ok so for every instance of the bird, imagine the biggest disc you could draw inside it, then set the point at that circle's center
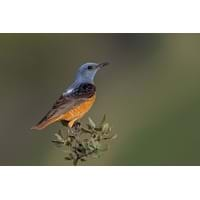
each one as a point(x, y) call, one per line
point(76, 100)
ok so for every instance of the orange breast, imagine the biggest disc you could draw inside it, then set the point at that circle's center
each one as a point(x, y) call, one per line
point(78, 111)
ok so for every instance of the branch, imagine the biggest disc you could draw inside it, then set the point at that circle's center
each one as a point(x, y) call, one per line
point(84, 141)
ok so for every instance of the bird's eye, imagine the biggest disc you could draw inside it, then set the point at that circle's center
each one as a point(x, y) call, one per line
point(90, 67)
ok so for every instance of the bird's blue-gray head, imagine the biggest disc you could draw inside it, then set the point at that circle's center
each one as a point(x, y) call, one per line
point(87, 71)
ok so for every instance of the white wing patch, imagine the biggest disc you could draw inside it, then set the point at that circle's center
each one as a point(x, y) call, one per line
point(68, 91)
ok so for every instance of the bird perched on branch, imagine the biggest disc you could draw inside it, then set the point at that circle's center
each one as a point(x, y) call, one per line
point(76, 101)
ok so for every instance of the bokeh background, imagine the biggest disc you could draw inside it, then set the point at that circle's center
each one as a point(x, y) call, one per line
point(150, 93)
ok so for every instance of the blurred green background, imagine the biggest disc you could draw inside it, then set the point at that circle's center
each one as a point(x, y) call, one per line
point(150, 93)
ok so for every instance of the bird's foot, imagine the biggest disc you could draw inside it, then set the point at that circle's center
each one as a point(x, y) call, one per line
point(77, 126)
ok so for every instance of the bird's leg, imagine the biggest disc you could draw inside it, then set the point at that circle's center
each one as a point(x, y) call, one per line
point(77, 126)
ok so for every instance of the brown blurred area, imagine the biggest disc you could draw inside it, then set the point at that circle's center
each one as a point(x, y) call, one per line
point(150, 94)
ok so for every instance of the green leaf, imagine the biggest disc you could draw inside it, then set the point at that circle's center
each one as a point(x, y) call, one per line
point(83, 159)
point(114, 137)
point(57, 142)
point(110, 137)
point(102, 121)
point(103, 148)
point(91, 123)
point(86, 130)
point(98, 129)
point(59, 136)
point(68, 158)
point(105, 128)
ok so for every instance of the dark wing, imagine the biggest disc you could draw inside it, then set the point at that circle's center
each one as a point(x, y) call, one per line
point(83, 91)
point(66, 102)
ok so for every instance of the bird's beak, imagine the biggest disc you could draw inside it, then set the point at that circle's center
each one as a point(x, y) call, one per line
point(101, 65)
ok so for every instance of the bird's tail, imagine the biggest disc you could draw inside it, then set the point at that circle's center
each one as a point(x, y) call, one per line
point(43, 123)
point(39, 126)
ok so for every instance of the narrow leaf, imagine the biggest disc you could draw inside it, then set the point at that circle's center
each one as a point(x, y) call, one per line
point(105, 128)
point(102, 121)
point(91, 123)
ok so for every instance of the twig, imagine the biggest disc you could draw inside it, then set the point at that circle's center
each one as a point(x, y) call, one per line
point(83, 141)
